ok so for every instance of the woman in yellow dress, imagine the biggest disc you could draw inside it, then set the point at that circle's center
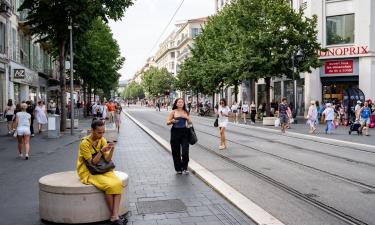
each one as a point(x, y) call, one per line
point(108, 182)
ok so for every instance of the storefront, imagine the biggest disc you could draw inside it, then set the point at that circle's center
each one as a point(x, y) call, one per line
point(24, 83)
point(338, 76)
point(3, 81)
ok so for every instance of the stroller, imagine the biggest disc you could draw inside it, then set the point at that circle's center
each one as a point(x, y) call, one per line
point(354, 126)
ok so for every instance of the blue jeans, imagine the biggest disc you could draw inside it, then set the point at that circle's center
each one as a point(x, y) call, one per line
point(329, 126)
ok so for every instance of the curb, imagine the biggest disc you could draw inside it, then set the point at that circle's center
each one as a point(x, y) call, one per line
point(245, 205)
point(323, 140)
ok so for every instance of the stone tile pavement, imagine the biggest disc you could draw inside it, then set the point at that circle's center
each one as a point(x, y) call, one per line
point(153, 179)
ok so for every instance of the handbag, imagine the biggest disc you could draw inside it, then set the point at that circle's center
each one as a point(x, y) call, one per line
point(102, 166)
point(216, 123)
point(192, 136)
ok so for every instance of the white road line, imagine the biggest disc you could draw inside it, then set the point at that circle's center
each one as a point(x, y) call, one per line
point(248, 207)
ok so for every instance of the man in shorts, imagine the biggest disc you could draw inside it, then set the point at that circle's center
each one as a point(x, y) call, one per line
point(365, 117)
point(283, 114)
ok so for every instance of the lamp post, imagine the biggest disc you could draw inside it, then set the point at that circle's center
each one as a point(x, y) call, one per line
point(297, 56)
point(70, 27)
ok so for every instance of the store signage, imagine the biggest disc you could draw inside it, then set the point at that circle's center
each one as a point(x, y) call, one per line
point(338, 67)
point(345, 51)
point(19, 74)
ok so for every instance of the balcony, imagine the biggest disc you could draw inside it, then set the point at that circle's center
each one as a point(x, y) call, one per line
point(6, 7)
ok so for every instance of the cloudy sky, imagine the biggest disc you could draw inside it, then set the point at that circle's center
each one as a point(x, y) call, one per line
point(145, 21)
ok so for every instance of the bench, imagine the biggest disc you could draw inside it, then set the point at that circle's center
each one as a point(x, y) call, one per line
point(64, 199)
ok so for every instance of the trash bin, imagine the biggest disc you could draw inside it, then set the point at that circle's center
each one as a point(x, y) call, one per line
point(53, 126)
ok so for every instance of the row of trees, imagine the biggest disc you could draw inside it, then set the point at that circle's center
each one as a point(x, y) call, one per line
point(98, 57)
point(249, 40)
point(134, 91)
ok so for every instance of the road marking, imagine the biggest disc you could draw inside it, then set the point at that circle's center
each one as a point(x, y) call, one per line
point(248, 207)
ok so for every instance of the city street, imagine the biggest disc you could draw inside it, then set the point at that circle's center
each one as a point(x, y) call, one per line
point(296, 179)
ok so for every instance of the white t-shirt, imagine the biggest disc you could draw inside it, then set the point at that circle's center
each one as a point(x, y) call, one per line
point(10, 110)
point(23, 119)
point(234, 107)
point(245, 108)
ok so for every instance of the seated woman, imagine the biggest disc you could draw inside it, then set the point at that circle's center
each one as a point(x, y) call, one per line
point(108, 182)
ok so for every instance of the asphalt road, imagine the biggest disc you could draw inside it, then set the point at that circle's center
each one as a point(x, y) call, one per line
point(330, 175)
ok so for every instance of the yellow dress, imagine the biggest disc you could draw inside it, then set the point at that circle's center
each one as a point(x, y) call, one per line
point(107, 182)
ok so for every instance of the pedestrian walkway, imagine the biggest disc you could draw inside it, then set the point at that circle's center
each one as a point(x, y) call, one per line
point(158, 195)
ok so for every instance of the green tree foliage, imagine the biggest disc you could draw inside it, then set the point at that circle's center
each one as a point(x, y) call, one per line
point(98, 58)
point(252, 39)
point(49, 19)
point(157, 81)
point(134, 91)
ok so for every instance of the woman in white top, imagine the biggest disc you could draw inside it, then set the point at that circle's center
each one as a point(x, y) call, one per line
point(22, 123)
point(329, 114)
point(245, 111)
point(41, 115)
point(234, 109)
point(223, 114)
point(9, 114)
point(311, 117)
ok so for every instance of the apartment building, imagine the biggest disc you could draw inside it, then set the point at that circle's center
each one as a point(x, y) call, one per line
point(25, 66)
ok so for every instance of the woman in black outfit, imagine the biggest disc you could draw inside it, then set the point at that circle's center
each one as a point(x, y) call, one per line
point(179, 118)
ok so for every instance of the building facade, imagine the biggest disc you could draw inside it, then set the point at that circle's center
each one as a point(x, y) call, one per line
point(25, 65)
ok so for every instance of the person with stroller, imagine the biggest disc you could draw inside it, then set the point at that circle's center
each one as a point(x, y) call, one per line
point(365, 113)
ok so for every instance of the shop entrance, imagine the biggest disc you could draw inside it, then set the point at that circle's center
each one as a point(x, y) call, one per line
point(334, 87)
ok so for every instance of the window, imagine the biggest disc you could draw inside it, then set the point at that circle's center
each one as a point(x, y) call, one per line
point(340, 29)
point(172, 55)
point(195, 32)
point(14, 44)
point(2, 38)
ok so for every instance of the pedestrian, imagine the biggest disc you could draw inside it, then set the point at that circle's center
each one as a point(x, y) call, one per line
point(179, 118)
point(283, 114)
point(158, 106)
point(312, 117)
point(189, 106)
point(30, 110)
point(223, 114)
point(118, 110)
point(41, 115)
point(329, 115)
point(111, 107)
point(9, 114)
point(245, 111)
point(319, 112)
point(357, 111)
point(365, 113)
point(290, 117)
point(22, 123)
point(107, 182)
point(253, 112)
point(234, 109)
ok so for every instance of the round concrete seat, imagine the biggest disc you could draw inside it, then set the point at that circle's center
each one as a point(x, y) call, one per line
point(269, 121)
point(64, 199)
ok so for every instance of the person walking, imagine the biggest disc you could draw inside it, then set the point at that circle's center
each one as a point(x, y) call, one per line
point(9, 115)
point(235, 111)
point(41, 115)
point(253, 112)
point(312, 117)
point(30, 110)
point(365, 113)
point(179, 118)
point(118, 110)
point(329, 115)
point(111, 111)
point(283, 114)
point(245, 111)
point(223, 114)
point(107, 182)
point(22, 124)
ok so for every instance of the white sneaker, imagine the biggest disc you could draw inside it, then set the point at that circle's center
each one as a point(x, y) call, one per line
point(185, 172)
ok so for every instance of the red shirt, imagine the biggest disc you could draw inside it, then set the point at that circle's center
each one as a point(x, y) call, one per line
point(111, 107)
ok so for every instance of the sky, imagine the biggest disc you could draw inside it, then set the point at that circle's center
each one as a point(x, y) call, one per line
point(138, 31)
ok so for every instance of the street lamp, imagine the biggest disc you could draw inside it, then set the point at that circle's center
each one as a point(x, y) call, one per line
point(70, 27)
point(297, 56)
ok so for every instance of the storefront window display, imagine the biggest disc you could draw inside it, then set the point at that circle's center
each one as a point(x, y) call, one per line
point(16, 89)
point(335, 92)
point(277, 91)
point(300, 97)
point(262, 97)
point(289, 91)
point(33, 94)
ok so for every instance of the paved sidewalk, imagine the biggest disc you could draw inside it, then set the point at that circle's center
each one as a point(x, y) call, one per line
point(154, 185)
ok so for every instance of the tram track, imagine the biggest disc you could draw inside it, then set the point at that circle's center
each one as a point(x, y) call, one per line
point(304, 197)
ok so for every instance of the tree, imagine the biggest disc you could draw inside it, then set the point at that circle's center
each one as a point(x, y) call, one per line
point(253, 39)
point(98, 58)
point(133, 91)
point(49, 20)
point(157, 81)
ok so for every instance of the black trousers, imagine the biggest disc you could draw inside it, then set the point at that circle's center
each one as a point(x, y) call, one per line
point(252, 115)
point(180, 148)
point(32, 125)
